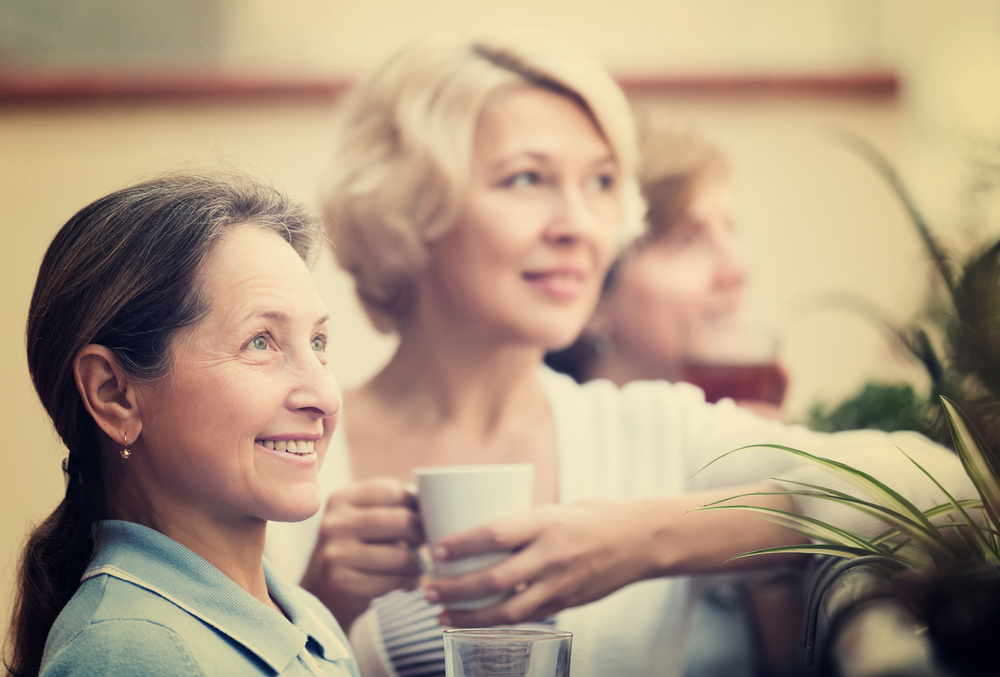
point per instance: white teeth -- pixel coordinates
(299, 448)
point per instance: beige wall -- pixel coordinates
(813, 217)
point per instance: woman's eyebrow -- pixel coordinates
(281, 316)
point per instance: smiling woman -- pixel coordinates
(184, 369)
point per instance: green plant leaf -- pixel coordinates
(973, 529)
(881, 493)
(980, 464)
(816, 549)
(912, 554)
(928, 538)
(936, 546)
(807, 526)
(932, 514)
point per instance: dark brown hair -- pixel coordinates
(122, 273)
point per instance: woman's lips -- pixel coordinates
(560, 284)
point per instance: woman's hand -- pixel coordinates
(571, 555)
(365, 547)
(567, 556)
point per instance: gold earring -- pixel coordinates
(125, 452)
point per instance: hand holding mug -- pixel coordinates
(364, 548)
(454, 499)
(565, 556)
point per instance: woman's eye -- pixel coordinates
(319, 344)
(259, 343)
(602, 183)
(523, 180)
(681, 238)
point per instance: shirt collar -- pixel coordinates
(147, 558)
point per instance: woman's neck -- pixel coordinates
(235, 546)
(449, 381)
(451, 398)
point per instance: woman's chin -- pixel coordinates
(558, 340)
(296, 508)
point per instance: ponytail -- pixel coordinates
(52, 563)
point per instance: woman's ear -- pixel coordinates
(107, 394)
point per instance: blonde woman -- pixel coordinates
(477, 193)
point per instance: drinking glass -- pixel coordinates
(498, 652)
(739, 361)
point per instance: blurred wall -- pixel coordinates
(812, 216)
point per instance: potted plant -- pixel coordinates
(922, 597)
(941, 566)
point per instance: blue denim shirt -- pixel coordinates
(149, 606)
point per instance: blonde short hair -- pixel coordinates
(673, 166)
(403, 153)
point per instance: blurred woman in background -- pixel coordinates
(177, 342)
(477, 193)
(670, 307)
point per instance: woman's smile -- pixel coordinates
(560, 284)
(291, 446)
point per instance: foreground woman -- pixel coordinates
(177, 342)
(477, 194)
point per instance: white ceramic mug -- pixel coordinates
(460, 497)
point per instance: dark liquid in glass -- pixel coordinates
(765, 381)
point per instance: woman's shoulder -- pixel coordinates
(614, 442)
(635, 401)
(110, 627)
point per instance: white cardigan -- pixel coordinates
(646, 440)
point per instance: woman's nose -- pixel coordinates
(731, 268)
(573, 218)
(315, 390)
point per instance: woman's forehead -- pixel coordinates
(531, 120)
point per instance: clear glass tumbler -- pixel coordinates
(496, 652)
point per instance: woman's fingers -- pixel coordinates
(533, 603)
(503, 577)
(394, 559)
(376, 510)
(373, 525)
(509, 533)
(366, 586)
(379, 491)
(566, 556)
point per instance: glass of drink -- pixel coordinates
(736, 361)
(498, 652)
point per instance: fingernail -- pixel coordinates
(431, 595)
(440, 553)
